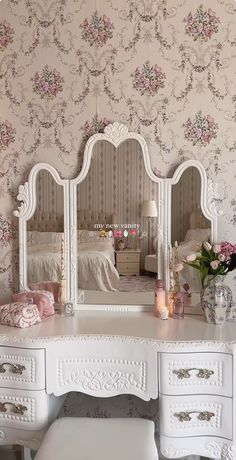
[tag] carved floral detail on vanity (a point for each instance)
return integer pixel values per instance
(111, 375)
(213, 450)
(220, 450)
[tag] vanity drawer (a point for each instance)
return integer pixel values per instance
(196, 415)
(24, 409)
(127, 268)
(188, 373)
(103, 368)
(22, 368)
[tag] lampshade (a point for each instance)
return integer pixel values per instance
(149, 208)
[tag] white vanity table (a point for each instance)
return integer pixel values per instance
(114, 345)
(188, 366)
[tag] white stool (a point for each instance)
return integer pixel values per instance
(74, 438)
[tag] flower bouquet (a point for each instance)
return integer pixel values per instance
(213, 262)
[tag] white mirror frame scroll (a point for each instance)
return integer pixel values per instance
(115, 134)
(28, 199)
(207, 201)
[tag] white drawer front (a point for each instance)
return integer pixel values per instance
(22, 368)
(196, 416)
(200, 373)
(23, 409)
(103, 369)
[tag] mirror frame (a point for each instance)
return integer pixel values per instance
(27, 197)
(115, 133)
(207, 202)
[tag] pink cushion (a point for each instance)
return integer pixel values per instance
(43, 299)
(51, 286)
(19, 314)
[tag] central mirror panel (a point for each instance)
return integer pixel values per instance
(117, 227)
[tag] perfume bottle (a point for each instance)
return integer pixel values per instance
(159, 297)
(178, 307)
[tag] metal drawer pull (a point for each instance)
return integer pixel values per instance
(185, 373)
(16, 368)
(186, 416)
(17, 408)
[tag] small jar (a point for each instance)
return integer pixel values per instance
(178, 307)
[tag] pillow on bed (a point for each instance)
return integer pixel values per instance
(35, 237)
(198, 234)
(88, 236)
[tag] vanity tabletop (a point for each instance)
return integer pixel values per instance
(143, 326)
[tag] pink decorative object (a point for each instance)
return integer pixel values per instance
(19, 314)
(51, 286)
(43, 299)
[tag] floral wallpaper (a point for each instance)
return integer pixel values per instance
(69, 67)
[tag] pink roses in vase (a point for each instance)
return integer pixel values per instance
(211, 260)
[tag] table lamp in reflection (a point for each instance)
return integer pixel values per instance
(149, 210)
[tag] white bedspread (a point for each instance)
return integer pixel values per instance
(43, 263)
(96, 270)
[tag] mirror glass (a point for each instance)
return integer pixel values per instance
(45, 233)
(189, 226)
(117, 206)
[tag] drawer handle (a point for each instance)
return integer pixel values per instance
(186, 416)
(16, 368)
(185, 373)
(17, 408)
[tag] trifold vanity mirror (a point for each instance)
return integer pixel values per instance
(109, 232)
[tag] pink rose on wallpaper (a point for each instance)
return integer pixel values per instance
(7, 231)
(7, 134)
(94, 126)
(6, 35)
(149, 79)
(157, 172)
(201, 25)
(98, 30)
(48, 83)
(200, 130)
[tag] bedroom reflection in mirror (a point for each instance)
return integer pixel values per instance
(45, 233)
(189, 226)
(113, 236)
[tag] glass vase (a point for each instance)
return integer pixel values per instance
(216, 300)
